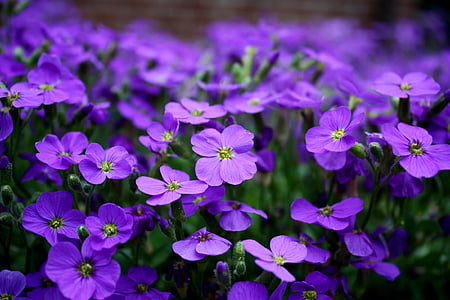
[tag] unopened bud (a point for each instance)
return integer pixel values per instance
(240, 268)
(222, 273)
(74, 183)
(83, 232)
(376, 151)
(6, 218)
(5, 170)
(238, 252)
(359, 151)
(7, 195)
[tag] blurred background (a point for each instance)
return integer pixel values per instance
(187, 18)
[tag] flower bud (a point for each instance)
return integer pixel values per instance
(74, 183)
(7, 195)
(6, 218)
(240, 268)
(359, 151)
(83, 232)
(222, 273)
(238, 252)
(5, 170)
(376, 151)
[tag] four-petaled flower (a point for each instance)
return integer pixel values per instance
(227, 157)
(52, 216)
(85, 275)
(175, 184)
(413, 144)
(282, 250)
(112, 226)
(100, 164)
(234, 214)
(199, 244)
(313, 288)
(333, 134)
(335, 217)
(61, 154)
(194, 112)
(137, 284)
(412, 84)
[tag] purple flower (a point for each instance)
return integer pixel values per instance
(227, 155)
(333, 132)
(248, 290)
(374, 262)
(335, 217)
(199, 244)
(85, 275)
(405, 185)
(331, 161)
(39, 171)
(192, 202)
(44, 287)
(136, 284)
(53, 216)
(413, 144)
(282, 250)
(137, 110)
(100, 164)
(23, 94)
(53, 86)
(234, 214)
(112, 226)
(314, 254)
(6, 123)
(250, 102)
(175, 184)
(358, 243)
(194, 112)
(143, 218)
(12, 284)
(160, 135)
(412, 84)
(61, 154)
(314, 287)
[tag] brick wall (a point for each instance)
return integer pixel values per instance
(187, 18)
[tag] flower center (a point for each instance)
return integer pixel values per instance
(326, 211)
(254, 101)
(236, 205)
(310, 295)
(86, 269)
(6, 297)
(338, 134)
(139, 211)
(64, 154)
(203, 237)
(141, 288)
(303, 241)
(168, 136)
(416, 149)
(196, 112)
(110, 230)
(56, 223)
(47, 283)
(107, 166)
(47, 87)
(405, 87)
(199, 199)
(225, 153)
(279, 260)
(173, 186)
